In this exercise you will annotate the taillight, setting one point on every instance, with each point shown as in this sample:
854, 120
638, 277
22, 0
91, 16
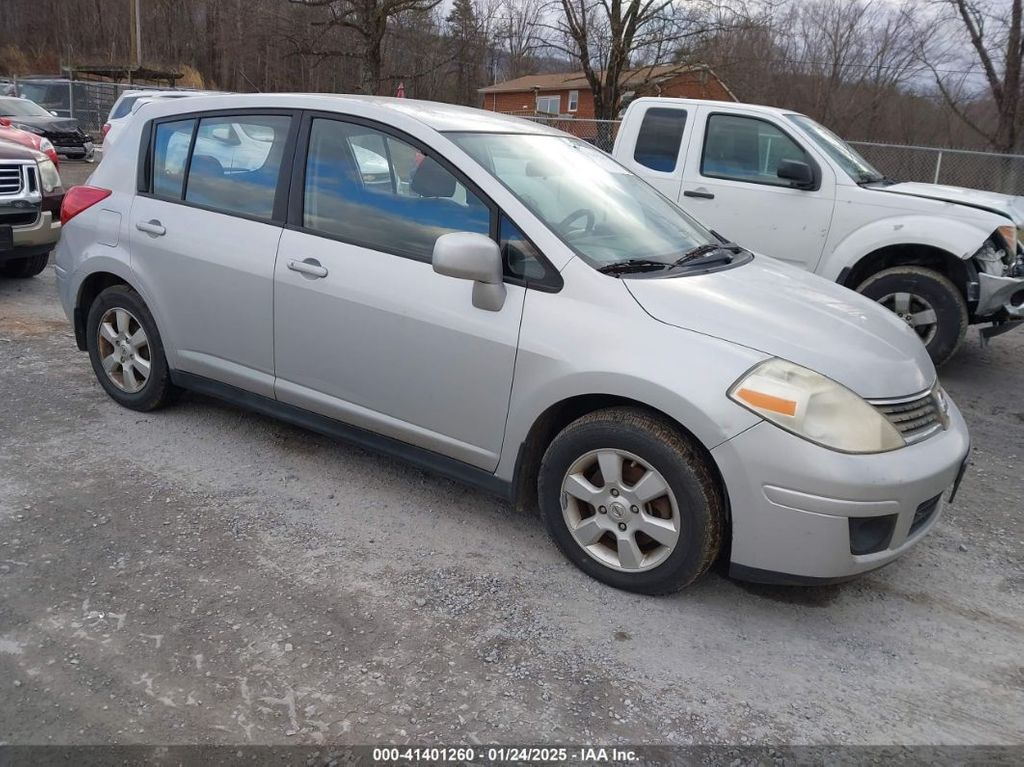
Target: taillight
79, 198
106, 130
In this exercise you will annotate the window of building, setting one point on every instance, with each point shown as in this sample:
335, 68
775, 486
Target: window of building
574, 100
549, 104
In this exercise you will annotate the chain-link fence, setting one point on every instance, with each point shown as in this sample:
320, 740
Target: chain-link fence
957, 167
87, 101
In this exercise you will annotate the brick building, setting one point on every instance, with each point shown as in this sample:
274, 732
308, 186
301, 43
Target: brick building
568, 94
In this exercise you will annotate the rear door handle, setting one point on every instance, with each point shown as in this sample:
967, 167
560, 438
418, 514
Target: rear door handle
309, 267
700, 195
153, 227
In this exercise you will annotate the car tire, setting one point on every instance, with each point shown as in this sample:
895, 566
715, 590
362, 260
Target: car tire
919, 295
126, 352
605, 534
23, 268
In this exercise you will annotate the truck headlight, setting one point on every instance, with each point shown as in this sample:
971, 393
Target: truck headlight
48, 176
815, 408
1008, 234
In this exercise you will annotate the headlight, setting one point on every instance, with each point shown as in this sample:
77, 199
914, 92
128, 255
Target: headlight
29, 128
49, 176
814, 407
1009, 235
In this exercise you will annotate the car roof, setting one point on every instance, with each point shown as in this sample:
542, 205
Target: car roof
440, 117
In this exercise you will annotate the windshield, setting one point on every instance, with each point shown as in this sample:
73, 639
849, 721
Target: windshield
602, 211
21, 108
859, 169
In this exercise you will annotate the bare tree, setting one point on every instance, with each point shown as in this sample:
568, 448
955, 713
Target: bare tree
994, 36
519, 35
606, 36
368, 19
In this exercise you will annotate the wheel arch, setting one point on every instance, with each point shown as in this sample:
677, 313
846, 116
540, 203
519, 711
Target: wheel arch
956, 269
94, 284
560, 414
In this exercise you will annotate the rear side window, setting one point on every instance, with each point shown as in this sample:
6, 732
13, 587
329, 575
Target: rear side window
170, 153
661, 133
236, 163
123, 107
373, 189
747, 149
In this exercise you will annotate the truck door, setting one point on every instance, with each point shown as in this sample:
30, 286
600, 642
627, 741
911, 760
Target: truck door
730, 183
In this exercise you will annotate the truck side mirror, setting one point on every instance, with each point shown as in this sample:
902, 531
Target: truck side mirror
798, 172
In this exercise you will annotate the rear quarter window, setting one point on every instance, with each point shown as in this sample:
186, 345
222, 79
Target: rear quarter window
661, 133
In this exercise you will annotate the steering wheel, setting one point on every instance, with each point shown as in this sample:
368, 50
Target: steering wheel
591, 221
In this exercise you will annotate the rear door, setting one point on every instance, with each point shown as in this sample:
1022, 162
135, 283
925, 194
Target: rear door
204, 233
365, 330
730, 184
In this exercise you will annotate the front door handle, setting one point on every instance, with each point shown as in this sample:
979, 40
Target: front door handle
699, 195
152, 227
309, 267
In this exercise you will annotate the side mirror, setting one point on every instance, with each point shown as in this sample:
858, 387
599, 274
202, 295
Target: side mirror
799, 173
54, 113
476, 257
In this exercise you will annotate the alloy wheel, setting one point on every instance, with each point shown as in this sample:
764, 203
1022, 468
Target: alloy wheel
620, 510
124, 350
915, 311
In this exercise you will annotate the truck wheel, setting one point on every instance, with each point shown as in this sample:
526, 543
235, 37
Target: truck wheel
630, 501
22, 268
927, 301
126, 352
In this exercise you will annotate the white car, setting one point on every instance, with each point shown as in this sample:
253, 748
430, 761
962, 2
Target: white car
128, 103
940, 257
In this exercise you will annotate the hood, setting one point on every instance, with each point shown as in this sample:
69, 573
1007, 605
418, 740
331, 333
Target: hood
1004, 204
789, 313
48, 124
17, 151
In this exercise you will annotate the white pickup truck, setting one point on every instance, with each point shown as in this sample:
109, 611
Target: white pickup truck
779, 183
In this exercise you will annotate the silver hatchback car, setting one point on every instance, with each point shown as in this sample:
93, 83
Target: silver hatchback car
506, 305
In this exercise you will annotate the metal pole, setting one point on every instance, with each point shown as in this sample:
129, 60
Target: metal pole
136, 32
938, 166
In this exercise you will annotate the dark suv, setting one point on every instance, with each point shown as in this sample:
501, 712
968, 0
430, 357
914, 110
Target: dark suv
63, 132
30, 200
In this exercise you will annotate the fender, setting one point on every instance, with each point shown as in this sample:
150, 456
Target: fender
960, 238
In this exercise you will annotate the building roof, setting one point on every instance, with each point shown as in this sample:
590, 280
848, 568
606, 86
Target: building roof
577, 80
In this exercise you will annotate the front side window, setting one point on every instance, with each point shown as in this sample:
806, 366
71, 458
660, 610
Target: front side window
373, 189
549, 104
661, 134
170, 153
601, 210
236, 163
747, 149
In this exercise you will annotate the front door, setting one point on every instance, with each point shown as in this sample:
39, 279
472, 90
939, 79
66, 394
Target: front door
364, 330
730, 184
204, 239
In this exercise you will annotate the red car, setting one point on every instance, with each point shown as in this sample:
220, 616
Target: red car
40, 143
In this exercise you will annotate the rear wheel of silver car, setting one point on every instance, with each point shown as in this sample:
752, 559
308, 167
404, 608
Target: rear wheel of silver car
22, 268
631, 501
126, 352
927, 301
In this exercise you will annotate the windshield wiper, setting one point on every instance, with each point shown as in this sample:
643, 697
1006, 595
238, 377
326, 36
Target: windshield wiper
633, 265
703, 254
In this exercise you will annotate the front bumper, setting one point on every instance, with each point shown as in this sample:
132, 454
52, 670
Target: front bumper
792, 501
997, 295
33, 239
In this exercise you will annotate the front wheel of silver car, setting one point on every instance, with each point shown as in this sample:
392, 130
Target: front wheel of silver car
126, 351
631, 501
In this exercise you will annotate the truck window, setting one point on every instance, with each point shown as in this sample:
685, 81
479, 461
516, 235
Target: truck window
746, 149
661, 132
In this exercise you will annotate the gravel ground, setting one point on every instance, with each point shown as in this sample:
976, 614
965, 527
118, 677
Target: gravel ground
205, 575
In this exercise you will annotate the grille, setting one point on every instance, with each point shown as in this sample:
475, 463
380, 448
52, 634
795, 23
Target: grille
66, 139
21, 218
10, 179
915, 419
